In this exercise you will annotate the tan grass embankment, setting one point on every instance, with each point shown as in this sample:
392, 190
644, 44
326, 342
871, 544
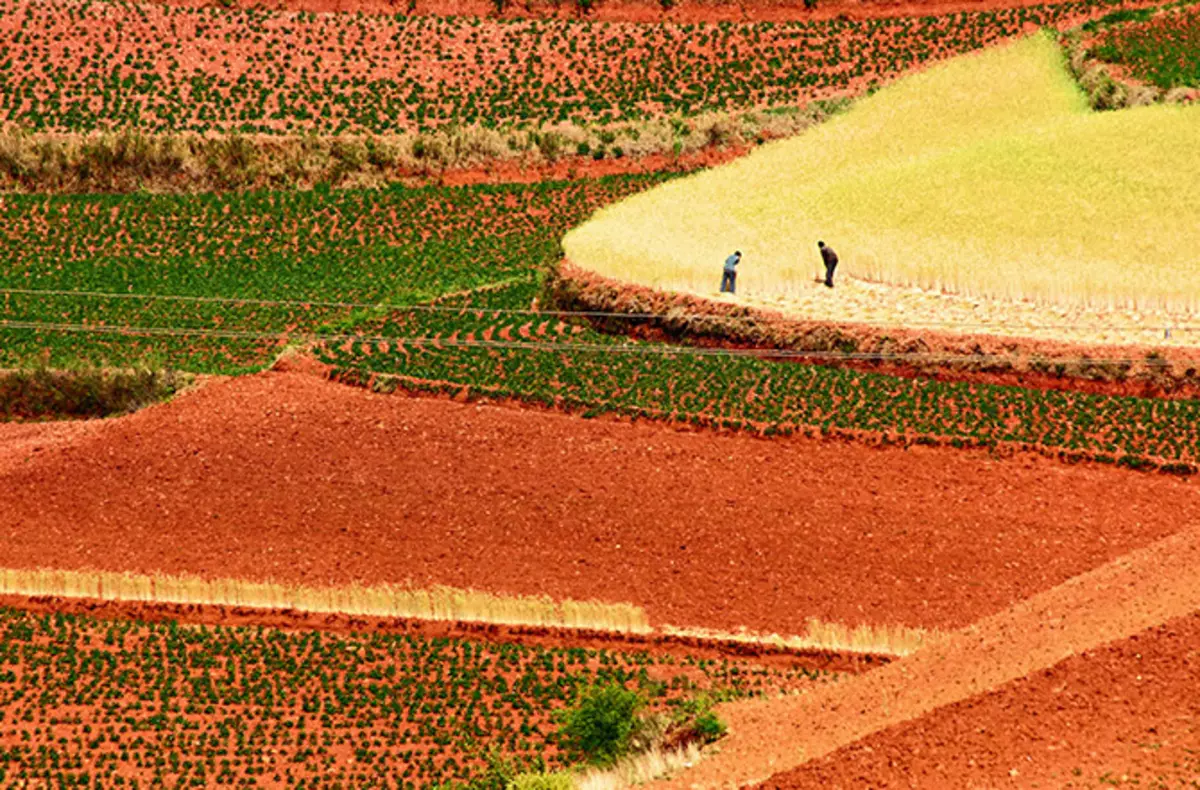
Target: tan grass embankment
890, 640
655, 763
128, 160
437, 603
440, 604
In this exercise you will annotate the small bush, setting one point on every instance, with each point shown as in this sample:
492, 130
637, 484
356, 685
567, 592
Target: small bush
601, 726
709, 727
43, 394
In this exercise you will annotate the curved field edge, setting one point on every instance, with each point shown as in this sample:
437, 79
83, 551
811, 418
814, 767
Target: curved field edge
1144, 370
1005, 117
1140, 590
763, 393
439, 604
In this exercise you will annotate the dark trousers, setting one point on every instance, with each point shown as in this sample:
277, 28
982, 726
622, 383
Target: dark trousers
728, 281
829, 267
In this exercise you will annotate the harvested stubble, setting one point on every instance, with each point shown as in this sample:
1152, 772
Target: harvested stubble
890, 640
437, 603
655, 763
988, 176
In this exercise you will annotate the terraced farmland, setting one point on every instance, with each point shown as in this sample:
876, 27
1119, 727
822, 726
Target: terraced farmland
80, 66
309, 255
314, 250
90, 701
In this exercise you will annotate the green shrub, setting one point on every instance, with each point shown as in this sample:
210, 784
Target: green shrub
709, 727
42, 393
601, 726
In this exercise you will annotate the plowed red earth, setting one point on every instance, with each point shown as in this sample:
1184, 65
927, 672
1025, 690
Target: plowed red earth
284, 476
1126, 713
811, 737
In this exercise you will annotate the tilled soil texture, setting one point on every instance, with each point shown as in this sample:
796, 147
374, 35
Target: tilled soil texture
1143, 589
285, 477
225, 70
1126, 713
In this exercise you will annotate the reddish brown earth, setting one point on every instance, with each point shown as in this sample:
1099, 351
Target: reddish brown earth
685, 11
1128, 711
283, 476
944, 683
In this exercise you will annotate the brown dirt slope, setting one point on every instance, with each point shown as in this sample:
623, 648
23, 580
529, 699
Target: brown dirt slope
283, 476
1144, 589
1126, 713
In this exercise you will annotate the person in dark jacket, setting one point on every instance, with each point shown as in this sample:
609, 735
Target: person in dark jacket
729, 276
831, 261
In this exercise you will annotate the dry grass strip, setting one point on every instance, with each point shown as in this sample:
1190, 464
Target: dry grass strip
888, 640
441, 604
437, 603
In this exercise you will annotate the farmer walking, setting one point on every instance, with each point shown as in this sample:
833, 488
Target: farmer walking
831, 261
729, 277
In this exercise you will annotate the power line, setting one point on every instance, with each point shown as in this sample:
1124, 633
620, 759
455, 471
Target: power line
436, 308
440, 343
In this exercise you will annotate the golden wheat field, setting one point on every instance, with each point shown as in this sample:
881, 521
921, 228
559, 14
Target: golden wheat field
987, 176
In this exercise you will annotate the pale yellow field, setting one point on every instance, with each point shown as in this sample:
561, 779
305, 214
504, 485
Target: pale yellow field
986, 176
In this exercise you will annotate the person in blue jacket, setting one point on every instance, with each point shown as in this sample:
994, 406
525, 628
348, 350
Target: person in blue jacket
729, 277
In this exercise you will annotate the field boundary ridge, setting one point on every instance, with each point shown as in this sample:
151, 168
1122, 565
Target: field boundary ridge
397, 607
978, 356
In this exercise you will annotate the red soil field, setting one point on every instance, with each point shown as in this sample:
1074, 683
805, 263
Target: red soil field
1126, 713
286, 477
687, 11
265, 72
867, 716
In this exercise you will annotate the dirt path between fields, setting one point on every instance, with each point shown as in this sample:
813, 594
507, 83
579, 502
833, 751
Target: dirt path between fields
1143, 589
286, 477
1124, 713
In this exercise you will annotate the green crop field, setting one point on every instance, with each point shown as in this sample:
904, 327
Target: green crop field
397, 246
80, 66
1163, 49
137, 704
465, 259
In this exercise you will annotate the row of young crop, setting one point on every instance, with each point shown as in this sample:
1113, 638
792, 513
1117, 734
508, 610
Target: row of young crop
494, 353
77, 65
471, 257
1160, 48
86, 702
310, 254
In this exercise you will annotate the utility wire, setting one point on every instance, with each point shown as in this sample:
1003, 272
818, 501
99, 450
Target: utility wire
436, 308
443, 342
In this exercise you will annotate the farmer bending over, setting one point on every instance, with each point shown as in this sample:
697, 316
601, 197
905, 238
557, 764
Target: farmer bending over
831, 261
729, 278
